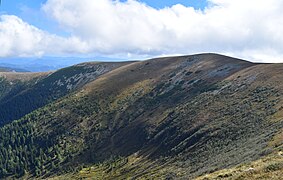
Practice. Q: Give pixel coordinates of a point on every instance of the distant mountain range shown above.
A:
(44, 64)
(9, 69)
(203, 116)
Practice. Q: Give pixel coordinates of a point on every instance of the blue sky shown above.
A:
(198, 4)
(29, 10)
(15, 6)
(104, 28)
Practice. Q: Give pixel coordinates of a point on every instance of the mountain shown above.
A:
(21, 93)
(46, 63)
(201, 116)
(8, 69)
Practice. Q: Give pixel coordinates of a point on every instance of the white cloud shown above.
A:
(18, 38)
(250, 29)
(247, 29)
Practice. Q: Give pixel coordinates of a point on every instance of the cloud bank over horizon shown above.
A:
(246, 29)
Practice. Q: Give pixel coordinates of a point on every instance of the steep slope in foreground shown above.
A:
(176, 117)
(269, 167)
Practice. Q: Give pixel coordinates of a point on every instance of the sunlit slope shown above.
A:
(175, 117)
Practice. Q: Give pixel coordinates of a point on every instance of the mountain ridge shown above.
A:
(48, 87)
(173, 117)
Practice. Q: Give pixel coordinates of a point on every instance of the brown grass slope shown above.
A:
(22, 76)
(165, 118)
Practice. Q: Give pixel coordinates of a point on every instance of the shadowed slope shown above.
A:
(175, 117)
(25, 92)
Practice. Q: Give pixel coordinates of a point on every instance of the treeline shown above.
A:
(23, 151)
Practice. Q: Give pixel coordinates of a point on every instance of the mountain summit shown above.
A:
(165, 118)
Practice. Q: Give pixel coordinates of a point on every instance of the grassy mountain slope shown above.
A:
(269, 167)
(21, 93)
(175, 117)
